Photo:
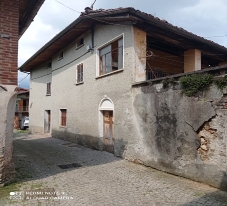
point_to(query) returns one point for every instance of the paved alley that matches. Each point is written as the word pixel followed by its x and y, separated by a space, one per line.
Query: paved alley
pixel 56 172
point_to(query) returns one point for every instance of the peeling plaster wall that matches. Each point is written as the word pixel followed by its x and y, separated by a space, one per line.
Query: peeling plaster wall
pixel 7 108
pixel 182 135
pixel 82 100
pixel 140 47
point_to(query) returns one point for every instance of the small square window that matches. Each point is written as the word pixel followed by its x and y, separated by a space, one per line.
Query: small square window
pixel 63 117
pixel 80 77
pixel 80 42
pixel 60 55
pixel 49 65
pixel 48 91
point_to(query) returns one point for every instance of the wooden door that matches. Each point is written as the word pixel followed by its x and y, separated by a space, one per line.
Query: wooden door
pixel 21 106
pixel 108 138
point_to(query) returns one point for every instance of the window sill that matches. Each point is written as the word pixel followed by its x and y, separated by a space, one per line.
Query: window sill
pixel 79 83
pixel 79 46
pixel 63 127
pixel 104 75
pixel 59 59
pixel 48 94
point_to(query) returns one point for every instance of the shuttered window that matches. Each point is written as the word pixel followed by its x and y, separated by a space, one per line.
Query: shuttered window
pixel 80 74
pixel 48 92
pixel 63 117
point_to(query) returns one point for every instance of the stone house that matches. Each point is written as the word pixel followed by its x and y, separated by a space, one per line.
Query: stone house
pixel 15 17
pixel 97 83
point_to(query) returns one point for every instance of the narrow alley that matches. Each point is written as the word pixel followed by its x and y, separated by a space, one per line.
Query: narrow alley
pixel 56 172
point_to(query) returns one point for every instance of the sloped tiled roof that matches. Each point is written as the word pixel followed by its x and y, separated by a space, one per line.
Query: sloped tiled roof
pixel 110 16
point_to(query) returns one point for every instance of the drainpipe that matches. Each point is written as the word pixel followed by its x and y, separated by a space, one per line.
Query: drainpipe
pixel 92 37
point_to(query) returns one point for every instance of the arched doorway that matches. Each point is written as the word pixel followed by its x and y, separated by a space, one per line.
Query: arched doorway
pixel 106 123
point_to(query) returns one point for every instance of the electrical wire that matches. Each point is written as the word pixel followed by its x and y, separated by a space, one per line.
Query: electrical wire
pixel 163 57
pixel 61 66
pixel 170 62
pixel 23 79
pixel 88 15
pixel 114 23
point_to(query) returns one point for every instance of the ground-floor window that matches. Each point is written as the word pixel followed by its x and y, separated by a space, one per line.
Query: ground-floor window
pixel 63 117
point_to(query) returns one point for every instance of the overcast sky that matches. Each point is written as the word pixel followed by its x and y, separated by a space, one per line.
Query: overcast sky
pixel 206 18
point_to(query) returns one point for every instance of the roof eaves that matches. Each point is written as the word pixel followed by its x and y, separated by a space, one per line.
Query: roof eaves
pixel 175 29
pixel 29 14
pixel 144 16
pixel 59 35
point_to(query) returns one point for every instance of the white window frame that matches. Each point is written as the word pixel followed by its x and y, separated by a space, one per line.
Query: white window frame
pixel 81 82
pixel 60 113
pixel 103 45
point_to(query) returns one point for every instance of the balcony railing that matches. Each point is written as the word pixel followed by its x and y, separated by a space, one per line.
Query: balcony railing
pixel 157 73
pixel 21 109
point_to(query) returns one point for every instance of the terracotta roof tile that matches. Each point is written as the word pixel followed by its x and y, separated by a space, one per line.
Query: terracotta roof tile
pixel 92 12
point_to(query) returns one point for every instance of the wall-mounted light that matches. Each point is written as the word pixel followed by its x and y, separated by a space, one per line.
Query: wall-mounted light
pixel 5 36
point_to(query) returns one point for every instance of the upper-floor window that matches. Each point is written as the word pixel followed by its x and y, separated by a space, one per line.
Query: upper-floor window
pixel 60 55
pixel 111 57
pixel 49 65
pixel 79 73
pixel 80 42
pixel 48 91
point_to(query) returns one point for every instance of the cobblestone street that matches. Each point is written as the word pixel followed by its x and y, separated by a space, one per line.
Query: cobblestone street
pixel 96 178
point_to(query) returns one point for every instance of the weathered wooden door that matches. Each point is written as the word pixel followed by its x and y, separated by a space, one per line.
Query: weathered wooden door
pixel 47 119
pixel 16 122
pixel 108 138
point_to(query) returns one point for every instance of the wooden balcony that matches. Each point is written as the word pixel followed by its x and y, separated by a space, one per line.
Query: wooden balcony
pixel 21 109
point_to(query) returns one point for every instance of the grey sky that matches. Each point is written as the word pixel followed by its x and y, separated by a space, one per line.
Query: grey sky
pixel 206 18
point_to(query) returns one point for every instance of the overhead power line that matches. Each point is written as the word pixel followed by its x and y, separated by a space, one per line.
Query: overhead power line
pixel 163 57
pixel 23 79
pixel 88 15
pixel 218 36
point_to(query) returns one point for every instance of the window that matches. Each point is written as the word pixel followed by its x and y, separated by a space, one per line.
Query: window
pixel 111 57
pixel 60 55
pixel 80 42
pixel 48 92
pixel 79 73
pixel 63 117
pixel 49 65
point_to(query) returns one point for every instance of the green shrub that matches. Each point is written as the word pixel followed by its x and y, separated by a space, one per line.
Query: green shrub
pixel 221 82
pixel 192 84
pixel 166 82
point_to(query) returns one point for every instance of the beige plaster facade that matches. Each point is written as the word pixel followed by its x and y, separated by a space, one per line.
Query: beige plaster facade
pixel 150 124
pixel 82 101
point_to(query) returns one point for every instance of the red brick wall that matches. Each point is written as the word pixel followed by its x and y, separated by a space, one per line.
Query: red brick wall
pixel 9 24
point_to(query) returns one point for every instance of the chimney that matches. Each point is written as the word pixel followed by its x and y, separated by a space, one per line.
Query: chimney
pixel 88 9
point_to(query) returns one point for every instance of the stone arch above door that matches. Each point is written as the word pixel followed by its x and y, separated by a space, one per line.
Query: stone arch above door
pixel 106 124
pixel 106 104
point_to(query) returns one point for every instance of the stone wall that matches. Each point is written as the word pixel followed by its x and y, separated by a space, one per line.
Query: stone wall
pixel 7 108
pixel 182 135
pixel 9 28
